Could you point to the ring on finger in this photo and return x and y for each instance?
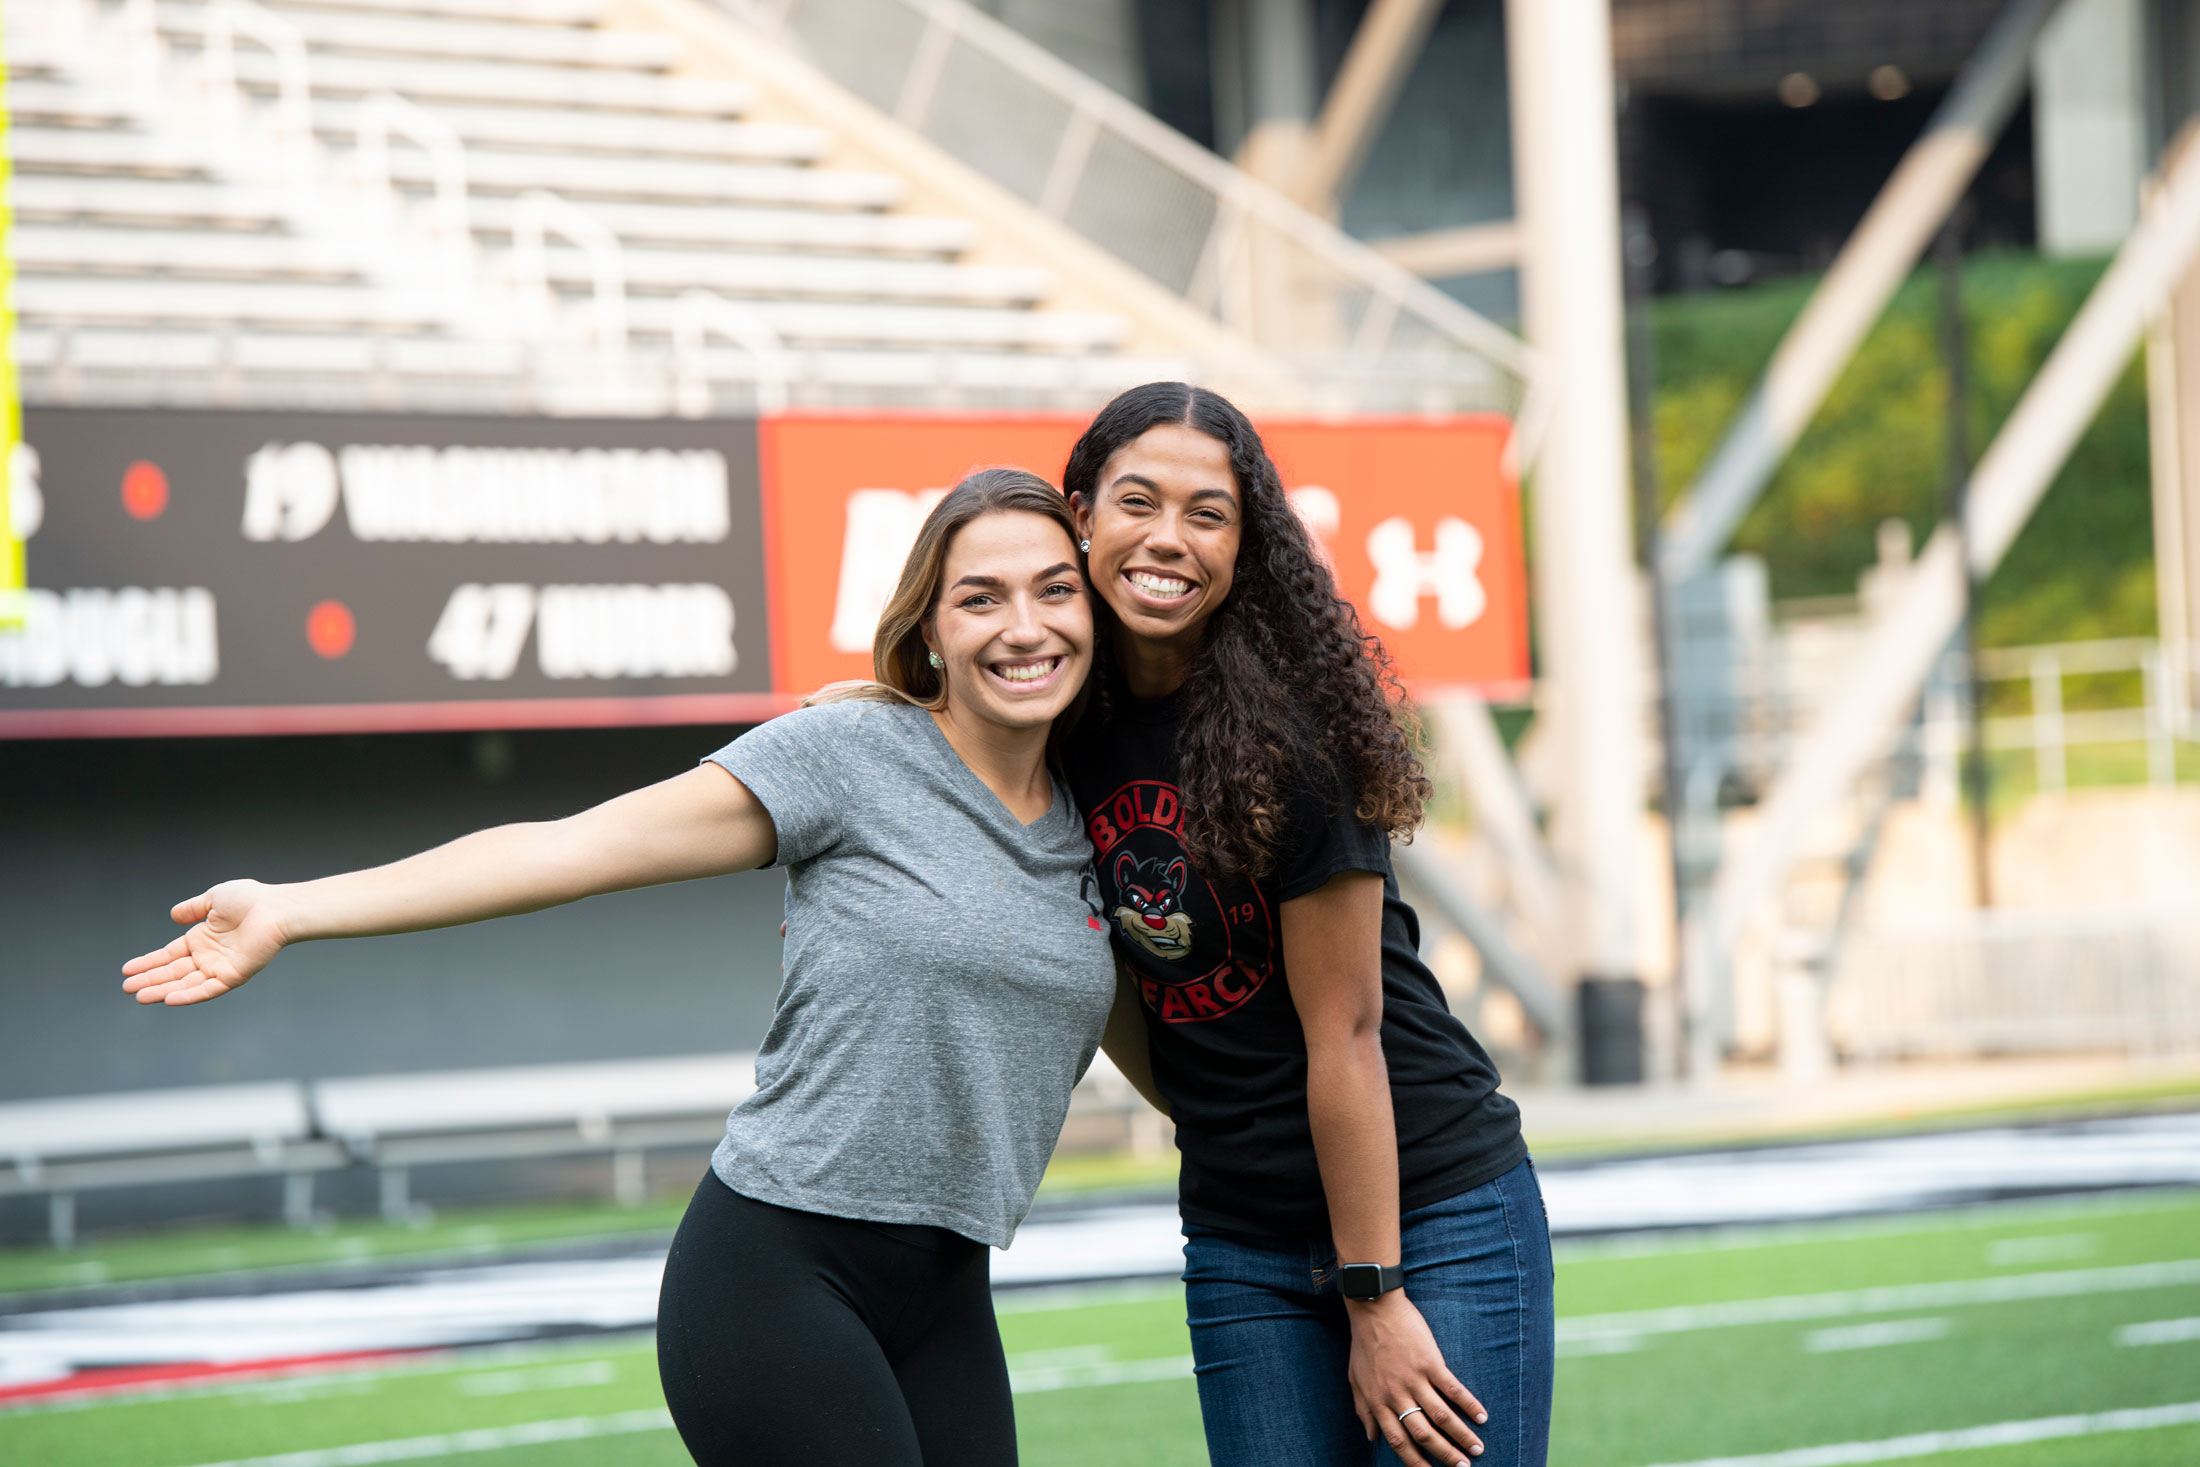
(1402, 1415)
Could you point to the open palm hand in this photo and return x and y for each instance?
(234, 932)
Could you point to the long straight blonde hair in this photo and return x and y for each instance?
(901, 669)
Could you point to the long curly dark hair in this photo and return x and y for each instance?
(1287, 689)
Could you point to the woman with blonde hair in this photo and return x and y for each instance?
(827, 1295)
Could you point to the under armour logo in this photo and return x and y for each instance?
(1404, 573)
(882, 525)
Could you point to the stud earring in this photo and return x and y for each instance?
(935, 659)
(1085, 547)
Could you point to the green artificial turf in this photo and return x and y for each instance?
(348, 1242)
(364, 1242)
(1710, 1392)
(1098, 1174)
(351, 1242)
(1967, 1243)
(1681, 1396)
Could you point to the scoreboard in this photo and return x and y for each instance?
(259, 572)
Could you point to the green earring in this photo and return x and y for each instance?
(935, 659)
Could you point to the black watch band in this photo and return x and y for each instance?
(1366, 1281)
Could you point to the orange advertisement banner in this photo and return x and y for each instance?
(1423, 530)
(1419, 522)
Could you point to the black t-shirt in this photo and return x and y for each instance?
(1228, 1051)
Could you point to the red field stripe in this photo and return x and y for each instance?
(116, 1378)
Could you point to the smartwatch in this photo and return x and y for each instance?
(1368, 1281)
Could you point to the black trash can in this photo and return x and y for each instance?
(1611, 1031)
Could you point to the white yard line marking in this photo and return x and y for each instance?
(1043, 1298)
(454, 1443)
(2056, 1248)
(1600, 1345)
(1049, 1359)
(1965, 1439)
(539, 1378)
(1104, 1373)
(1889, 1299)
(2160, 1332)
(308, 1388)
(624, 1423)
(1997, 1216)
(1872, 1336)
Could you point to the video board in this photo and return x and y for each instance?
(257, 572)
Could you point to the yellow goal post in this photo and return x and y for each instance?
(12, 582)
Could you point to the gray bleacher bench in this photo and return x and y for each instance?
(625, 1107)
(79, 1143)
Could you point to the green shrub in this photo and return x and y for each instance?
(2083, 567)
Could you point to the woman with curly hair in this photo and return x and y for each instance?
(1366, 1253)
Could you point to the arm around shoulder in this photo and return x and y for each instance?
(1124, 1039)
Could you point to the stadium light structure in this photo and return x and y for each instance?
(1893, 236)
(1565, 150)
(1389, 40)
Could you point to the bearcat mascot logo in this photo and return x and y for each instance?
(1197, 952)
(1152, 914)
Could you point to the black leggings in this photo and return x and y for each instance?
(789, 1337)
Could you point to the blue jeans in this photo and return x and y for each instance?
(1270, 1341)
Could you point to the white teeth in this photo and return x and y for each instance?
(1155, 585)
(1026, 672)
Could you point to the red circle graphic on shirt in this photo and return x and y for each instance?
(1161, 904)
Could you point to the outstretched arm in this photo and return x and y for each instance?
(701, 823)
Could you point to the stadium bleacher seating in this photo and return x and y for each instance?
(174, 243)
(292, 1129)
(624, 1107)
(79, 1143)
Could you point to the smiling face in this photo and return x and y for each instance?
(1164, 520)
(1012, 623)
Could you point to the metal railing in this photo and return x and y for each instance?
(281, 136)
(355, 201)
(1751, 695)
(2050, 730)
(603, 324)
(448, 231)
(1361, 333)
(703, 313)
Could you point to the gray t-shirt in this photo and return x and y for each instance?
(945, 984)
